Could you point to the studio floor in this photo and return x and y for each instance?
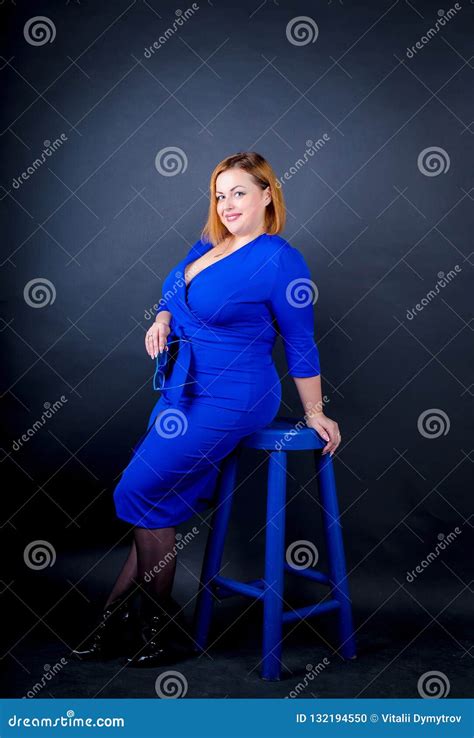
(396, 647)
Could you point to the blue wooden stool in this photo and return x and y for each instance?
(278, 439)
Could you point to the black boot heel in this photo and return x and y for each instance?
(158, 642)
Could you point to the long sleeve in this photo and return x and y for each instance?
(166, 297)
(161, 306)
(291, 300)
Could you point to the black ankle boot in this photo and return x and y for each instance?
(158, 642)
(108, 638)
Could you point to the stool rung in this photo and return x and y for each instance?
(269, 589)
(248, 589)
(316, 576)
(310, 611)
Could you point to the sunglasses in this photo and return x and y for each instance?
(162, 361)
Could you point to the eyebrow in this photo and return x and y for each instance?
(232, 188)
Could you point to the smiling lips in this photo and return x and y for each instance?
(232, 217)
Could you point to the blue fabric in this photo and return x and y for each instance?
(222, 384)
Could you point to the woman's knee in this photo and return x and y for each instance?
(122, 495)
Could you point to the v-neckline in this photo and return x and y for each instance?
(215, 263)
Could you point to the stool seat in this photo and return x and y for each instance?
(281, 437)
(285, 434)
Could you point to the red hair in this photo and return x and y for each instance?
(263, 176)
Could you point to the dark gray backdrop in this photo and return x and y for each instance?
(382, 212)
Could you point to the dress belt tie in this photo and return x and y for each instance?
(176, 375)
(172, 378)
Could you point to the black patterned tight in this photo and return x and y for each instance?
(150, 565)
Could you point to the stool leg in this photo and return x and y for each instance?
(214, 550)
(335, 548)
(274, 570)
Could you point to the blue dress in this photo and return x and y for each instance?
(223, 384)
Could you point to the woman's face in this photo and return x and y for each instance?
(240, 202)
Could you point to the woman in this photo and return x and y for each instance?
(223, 386)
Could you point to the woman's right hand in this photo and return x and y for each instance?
(155, 338)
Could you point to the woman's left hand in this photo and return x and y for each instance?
(327, 429)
